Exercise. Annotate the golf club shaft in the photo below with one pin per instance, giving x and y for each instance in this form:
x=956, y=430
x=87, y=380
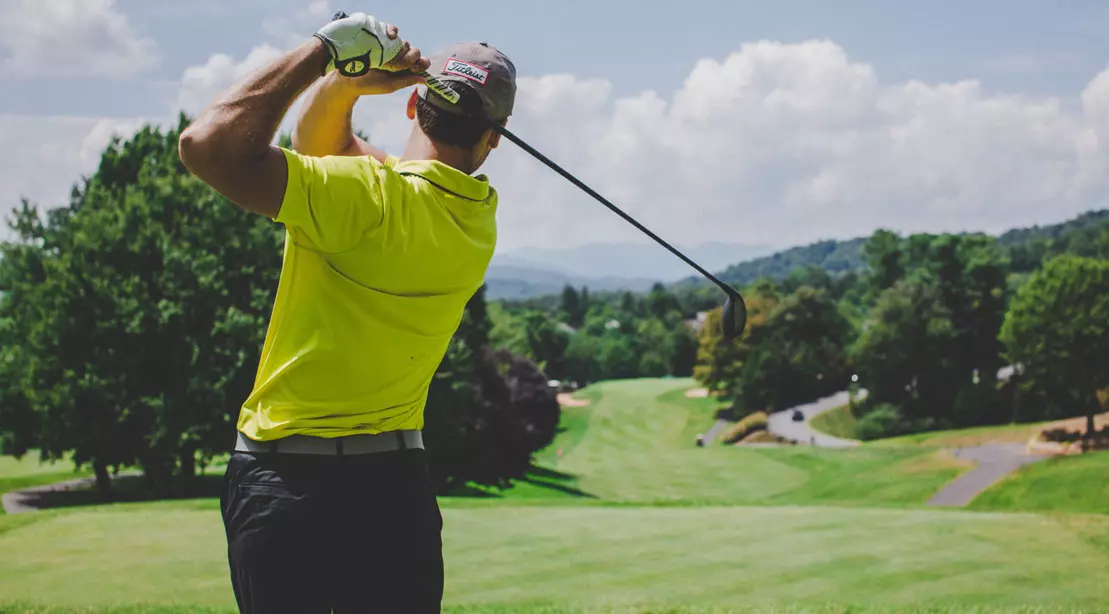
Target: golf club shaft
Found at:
x=447, y=93
x=588, y=190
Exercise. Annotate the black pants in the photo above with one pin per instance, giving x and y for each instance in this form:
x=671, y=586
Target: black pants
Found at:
x=352, y=534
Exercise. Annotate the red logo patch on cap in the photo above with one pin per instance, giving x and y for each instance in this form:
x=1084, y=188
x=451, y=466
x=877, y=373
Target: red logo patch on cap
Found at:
x=473, y=72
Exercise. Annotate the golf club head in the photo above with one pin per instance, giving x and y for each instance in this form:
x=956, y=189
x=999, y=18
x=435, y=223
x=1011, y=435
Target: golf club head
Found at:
x=735, y=316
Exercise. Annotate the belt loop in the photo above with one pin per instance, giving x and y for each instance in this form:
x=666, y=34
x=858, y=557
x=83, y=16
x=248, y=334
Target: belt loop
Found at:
x=400, y=440
x=339, y=446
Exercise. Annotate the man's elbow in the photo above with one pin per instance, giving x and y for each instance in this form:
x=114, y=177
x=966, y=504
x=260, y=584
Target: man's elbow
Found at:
x=191, y=150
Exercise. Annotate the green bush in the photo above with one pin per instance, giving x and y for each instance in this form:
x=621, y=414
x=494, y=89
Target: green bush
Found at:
x=883, y=421
x=739, y=430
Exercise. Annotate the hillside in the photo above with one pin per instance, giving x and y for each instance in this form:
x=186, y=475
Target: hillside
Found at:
x=643, y=259
x=537, y=272
x=522, y=281
x=1026, y=246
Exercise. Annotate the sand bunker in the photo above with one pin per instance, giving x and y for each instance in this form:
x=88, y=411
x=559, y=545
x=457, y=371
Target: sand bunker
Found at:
x=566, y=399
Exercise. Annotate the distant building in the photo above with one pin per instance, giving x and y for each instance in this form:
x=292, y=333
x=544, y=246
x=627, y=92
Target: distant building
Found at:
x=698, y=322
x=566, y=328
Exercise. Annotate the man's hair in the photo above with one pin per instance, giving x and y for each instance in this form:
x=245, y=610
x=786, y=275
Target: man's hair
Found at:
x=449, y=128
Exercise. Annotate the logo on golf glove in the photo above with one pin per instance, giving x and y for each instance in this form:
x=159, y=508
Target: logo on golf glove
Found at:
x=357, y=43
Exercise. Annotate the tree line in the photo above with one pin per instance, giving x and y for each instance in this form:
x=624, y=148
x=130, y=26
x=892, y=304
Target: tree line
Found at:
x=927, y=326
x=582, y=338
x=132, y=318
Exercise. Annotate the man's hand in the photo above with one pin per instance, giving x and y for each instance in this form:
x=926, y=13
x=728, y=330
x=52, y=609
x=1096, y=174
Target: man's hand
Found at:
x=324, y=126
x=400, y=72
x=358, y=43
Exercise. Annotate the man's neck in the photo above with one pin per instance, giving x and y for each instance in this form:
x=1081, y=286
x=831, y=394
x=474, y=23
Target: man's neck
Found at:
x=420, y=147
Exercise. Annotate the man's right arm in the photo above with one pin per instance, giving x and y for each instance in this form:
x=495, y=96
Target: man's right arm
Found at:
x=324, y=126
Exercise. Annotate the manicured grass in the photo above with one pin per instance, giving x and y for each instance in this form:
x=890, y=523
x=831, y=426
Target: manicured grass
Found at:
x=838, y=422
x=634, y=444
x=1005, y=433
x=1067, y=483
x=603, y=559
x=555, y=609
x=633, y=518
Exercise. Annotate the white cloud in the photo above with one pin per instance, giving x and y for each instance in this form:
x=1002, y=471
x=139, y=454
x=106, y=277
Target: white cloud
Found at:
x=200, y=85
x=791, y=143
x=41, y=158
x=775, y=143
x=71, y=37
x=785, y=144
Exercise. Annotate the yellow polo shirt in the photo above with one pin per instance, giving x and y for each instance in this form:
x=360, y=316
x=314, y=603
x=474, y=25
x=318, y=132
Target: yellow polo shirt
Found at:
x=379, y=263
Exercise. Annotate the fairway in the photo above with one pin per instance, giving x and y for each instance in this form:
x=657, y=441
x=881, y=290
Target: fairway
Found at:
x=772, y=557
x=634, y=444
x=632, y=517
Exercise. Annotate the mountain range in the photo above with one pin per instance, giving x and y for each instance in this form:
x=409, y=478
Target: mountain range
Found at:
x=531, y=271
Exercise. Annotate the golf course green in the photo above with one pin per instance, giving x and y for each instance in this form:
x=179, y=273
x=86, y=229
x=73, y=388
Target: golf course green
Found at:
x=633, y=517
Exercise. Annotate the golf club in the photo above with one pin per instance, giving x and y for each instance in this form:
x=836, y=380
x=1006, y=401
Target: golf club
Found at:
x=735, y=311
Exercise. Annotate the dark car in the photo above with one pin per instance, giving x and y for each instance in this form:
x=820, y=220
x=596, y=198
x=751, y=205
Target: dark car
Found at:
x=798, y=416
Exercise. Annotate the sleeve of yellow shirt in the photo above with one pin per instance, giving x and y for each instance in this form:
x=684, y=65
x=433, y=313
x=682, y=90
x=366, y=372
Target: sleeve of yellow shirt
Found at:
x=332, y=202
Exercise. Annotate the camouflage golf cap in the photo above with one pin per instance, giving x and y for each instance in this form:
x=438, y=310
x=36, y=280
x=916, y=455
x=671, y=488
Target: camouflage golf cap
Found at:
x=478, y=68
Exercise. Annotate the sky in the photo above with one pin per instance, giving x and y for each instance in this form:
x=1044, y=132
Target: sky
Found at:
x=769, y=123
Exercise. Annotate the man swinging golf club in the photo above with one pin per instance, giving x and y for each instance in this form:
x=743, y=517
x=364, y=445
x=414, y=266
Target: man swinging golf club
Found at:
x=327, y=502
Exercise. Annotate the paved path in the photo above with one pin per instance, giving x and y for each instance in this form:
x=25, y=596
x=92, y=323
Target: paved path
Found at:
x=714, y=432
x=31, y=499
x=781, y=423
x=995, y=461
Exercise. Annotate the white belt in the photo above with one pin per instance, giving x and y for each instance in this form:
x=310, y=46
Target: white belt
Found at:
x=336, y=446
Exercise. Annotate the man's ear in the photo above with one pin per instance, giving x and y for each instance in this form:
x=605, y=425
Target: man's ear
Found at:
x=495, y=136
x=411, y=111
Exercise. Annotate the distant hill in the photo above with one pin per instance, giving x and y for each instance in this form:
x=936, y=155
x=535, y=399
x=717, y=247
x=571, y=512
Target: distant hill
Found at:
x=629, y=260
x=837, y=257
x=519, y=282
x=1053, y=231
x=530, y=273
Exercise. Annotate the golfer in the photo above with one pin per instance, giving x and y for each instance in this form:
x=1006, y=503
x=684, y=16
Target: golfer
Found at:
x=327, y=502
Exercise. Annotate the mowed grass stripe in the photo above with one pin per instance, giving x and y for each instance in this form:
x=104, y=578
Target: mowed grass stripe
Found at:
x=609, y=557
x=633, y=451
x=637, y=447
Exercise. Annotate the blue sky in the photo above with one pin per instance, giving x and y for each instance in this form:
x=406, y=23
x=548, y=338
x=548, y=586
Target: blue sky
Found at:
x=848, y=116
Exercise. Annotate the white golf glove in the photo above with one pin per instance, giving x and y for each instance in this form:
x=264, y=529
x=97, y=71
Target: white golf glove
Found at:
x=358, y=43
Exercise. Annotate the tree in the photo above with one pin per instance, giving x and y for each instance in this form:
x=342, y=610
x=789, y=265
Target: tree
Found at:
x=1056, y=331
x=720, y=363
x=139, y=311
x=487, y=412
x=882, y=254
x=903, y=354
x=799, y=355
x=582, y=364
x=660, y=303
x=548, y=343
x=618, y=358
x=572, y=307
